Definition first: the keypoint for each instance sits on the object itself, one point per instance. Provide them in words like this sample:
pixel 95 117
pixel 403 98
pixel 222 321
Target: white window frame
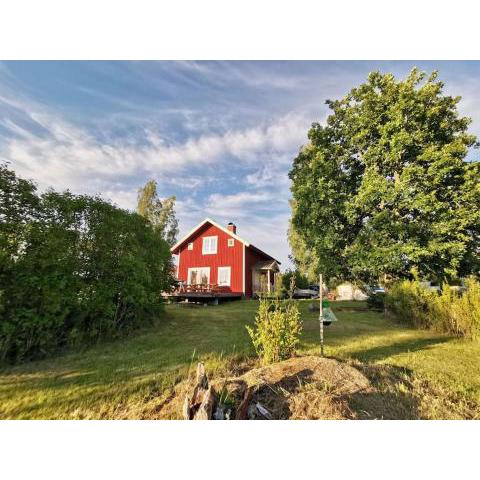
pixel 208 240
pixel 189 278
pixel 230 242
pixel 229 276
pixel 190 246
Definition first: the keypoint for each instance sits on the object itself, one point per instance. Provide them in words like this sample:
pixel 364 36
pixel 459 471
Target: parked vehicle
pixel 305 293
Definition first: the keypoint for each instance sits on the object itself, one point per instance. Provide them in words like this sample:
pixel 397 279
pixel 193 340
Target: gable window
pixel 231 242
pixel 209 246
pixel 190 246
pixel 224 276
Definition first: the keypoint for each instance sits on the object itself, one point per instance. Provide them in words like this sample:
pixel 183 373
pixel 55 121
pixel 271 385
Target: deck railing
pixel 202 288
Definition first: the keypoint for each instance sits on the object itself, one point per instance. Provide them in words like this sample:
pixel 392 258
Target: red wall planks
pixel 226 257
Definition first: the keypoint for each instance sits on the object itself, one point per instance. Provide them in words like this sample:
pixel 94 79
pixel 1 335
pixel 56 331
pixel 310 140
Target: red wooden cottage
pixel 214 261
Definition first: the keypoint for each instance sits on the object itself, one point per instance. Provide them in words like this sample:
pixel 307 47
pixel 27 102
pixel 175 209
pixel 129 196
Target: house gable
pixel 209 245
pixel 198 228
pixel 225 256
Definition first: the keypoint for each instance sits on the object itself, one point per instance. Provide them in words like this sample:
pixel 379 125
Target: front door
pixel 260 281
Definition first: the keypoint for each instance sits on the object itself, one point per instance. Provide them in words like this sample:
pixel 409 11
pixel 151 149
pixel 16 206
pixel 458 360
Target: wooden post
pixel 384 295
pixel 321 313
pixel 269 286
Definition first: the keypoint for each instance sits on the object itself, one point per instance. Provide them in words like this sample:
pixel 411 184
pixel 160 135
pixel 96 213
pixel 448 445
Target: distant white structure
pixel 348 291
pixel 429 286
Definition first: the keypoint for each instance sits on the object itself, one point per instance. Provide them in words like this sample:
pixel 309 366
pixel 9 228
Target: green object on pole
pixel 328 316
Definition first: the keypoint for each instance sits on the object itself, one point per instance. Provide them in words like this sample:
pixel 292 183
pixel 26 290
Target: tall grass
pixel 450 310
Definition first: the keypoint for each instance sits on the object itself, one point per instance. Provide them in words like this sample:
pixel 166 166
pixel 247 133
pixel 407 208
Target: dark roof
pixel 268 265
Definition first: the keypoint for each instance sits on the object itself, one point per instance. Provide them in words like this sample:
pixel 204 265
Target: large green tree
pixel 160 213
pixel 384 187
pixel 304 258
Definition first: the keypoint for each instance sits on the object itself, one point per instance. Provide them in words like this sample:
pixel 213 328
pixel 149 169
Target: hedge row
pixel 73 269
pixel 455 311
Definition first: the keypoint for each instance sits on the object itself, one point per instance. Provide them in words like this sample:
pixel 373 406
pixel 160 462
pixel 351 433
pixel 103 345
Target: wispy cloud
pixel 221 136
pixel 242 205
pixel 271 175
pixel 68 155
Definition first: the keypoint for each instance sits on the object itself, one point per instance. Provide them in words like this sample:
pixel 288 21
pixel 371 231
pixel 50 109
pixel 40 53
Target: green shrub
pixel 376 301
pixel 277 330
pixel 73 269
pixel 410 301
pixel 294 277
pixel 450 310
pixel 280 290
pixel 459 313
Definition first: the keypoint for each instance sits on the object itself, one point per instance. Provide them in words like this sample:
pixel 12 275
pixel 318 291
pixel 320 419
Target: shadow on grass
pixel 145 365
pixel 406 346
pixel 274 398
pixel 391 396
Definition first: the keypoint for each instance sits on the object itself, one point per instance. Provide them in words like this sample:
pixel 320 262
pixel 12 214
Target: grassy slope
pixel 130 378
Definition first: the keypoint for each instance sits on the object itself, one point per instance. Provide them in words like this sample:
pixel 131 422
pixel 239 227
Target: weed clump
pixel 449 311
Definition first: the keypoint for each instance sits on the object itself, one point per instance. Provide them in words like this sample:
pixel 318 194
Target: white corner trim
pixel 244 273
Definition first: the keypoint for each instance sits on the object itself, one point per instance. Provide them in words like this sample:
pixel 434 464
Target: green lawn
pixel 131 378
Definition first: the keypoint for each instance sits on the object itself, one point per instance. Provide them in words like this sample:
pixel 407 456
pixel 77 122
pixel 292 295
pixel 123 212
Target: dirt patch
pixel 295 371
pixel 307 388
pixel 298 388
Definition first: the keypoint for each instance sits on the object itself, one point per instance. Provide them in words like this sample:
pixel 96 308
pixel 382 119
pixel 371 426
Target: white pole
pixel 321 313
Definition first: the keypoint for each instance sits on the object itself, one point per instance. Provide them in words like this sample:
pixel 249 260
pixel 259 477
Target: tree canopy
pixel 160 213
pixel 304 258
pixel 384 187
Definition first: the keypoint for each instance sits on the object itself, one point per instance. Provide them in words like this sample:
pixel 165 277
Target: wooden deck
pixel 205 291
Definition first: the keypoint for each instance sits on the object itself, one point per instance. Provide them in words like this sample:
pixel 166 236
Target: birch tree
pixel 160 213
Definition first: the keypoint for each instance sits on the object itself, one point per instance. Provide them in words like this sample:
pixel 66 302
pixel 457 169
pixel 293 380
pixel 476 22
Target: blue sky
pixel 219 135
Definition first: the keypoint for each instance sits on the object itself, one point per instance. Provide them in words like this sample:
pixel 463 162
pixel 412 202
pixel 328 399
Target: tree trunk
pixel 200 404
